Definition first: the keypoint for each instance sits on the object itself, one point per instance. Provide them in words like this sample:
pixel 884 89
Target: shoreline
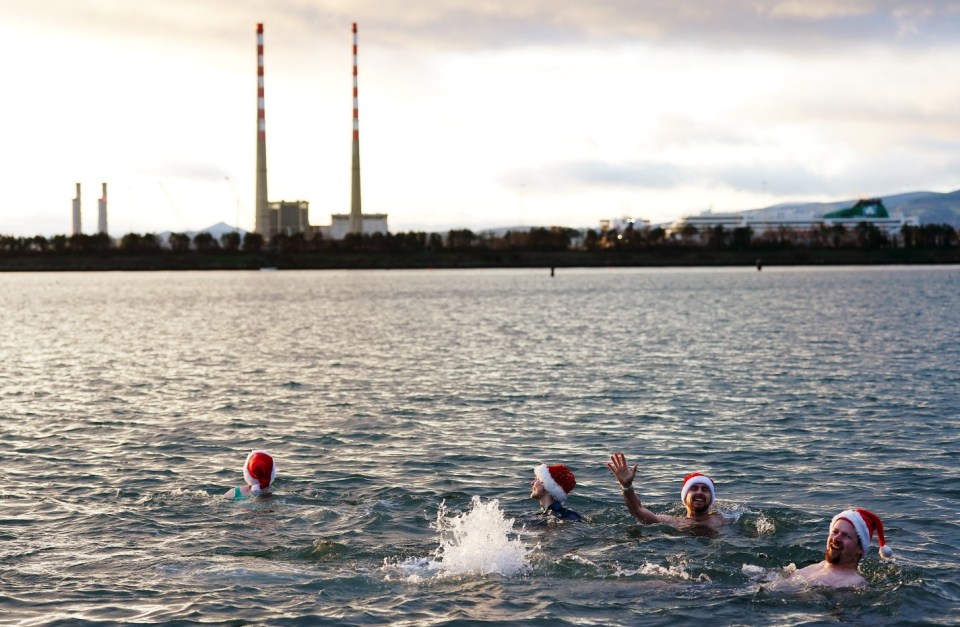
pixel 481 258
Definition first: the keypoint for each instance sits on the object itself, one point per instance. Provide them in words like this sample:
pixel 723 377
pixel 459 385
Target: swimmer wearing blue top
pixel 259 471
pixel 550 487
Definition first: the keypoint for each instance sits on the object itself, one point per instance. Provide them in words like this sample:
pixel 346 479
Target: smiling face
pixel 537 489
pixel 843 544
pixel 698 499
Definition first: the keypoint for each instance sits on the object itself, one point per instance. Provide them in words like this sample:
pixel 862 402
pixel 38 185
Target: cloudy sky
pixel 472 114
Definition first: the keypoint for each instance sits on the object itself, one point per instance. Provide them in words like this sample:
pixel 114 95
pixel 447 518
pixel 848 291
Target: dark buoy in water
pixel 551 270
pixel 759 265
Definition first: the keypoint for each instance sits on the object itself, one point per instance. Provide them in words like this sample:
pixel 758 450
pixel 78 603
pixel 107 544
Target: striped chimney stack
pixel 356 215
pixel 262 216
pixel 102 206
pixel 77 227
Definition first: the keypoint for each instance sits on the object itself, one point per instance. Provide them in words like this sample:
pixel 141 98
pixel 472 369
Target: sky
pixel 473 113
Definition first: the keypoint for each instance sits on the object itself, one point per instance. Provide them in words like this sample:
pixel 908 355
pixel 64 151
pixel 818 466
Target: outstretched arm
pixel 625 475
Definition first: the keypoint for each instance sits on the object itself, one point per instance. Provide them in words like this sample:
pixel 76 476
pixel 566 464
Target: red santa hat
pixel 865 522
pixel 259 471
pixel 557 479
pixel 693 479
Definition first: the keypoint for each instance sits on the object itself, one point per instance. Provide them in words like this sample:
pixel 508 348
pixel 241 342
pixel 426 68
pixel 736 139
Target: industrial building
pixel 291 217
pixel 288 217
pixel 342 224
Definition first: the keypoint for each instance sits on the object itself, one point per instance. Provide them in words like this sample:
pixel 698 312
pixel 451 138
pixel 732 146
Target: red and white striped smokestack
pixel 77 228
pixel 356 106
pixel 262 211
pixel 356 215
pixel 261 127
pixel 102 211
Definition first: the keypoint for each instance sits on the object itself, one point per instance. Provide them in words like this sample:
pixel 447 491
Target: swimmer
pixel 259 472
pixel 698 494
pixel 849 537
pixel 550 487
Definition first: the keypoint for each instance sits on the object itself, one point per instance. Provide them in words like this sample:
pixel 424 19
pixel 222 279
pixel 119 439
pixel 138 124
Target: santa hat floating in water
pixel 696 478
pixel 557 479
pixel 259 471
pixel 866 523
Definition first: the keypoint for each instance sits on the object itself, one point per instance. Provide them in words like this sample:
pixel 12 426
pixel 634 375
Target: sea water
pixel 406 411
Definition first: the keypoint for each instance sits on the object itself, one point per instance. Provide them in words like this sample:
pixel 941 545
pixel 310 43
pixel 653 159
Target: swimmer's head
pixel 865 523
pixel 557 480
pixel 259 471
pixel 695 479
pixel 844 547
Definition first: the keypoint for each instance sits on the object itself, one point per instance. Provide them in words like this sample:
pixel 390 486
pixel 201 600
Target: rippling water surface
pixel 406 411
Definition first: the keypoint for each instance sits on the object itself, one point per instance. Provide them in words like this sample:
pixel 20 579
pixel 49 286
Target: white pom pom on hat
pixel 260 462
pixel 866 523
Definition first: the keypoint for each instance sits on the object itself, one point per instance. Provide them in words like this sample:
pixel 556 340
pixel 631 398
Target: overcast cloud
pixel 475 112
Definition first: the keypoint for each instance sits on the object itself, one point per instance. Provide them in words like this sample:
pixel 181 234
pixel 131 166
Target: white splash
pixel 675 571
pixel 480 541
pixel 765 525
pixel 761 575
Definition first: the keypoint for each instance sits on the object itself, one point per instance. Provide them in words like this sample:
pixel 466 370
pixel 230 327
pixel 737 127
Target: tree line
pixel 546 239
pixel 537 239
pixel 864 235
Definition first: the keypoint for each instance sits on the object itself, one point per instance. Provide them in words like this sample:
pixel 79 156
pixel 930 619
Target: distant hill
pixel 217 230
pixel 927 207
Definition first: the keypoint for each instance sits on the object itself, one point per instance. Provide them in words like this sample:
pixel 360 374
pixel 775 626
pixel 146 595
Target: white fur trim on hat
pixel 251 481
pixel 552 487
pixel 695 479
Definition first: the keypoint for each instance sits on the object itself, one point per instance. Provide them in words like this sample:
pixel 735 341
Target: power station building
pixel 291 217
pixel 342 224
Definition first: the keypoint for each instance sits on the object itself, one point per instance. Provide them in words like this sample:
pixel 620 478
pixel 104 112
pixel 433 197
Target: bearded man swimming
pixel 698 494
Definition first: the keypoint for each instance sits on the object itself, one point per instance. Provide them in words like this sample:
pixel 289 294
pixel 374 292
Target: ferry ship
pixel 869 210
